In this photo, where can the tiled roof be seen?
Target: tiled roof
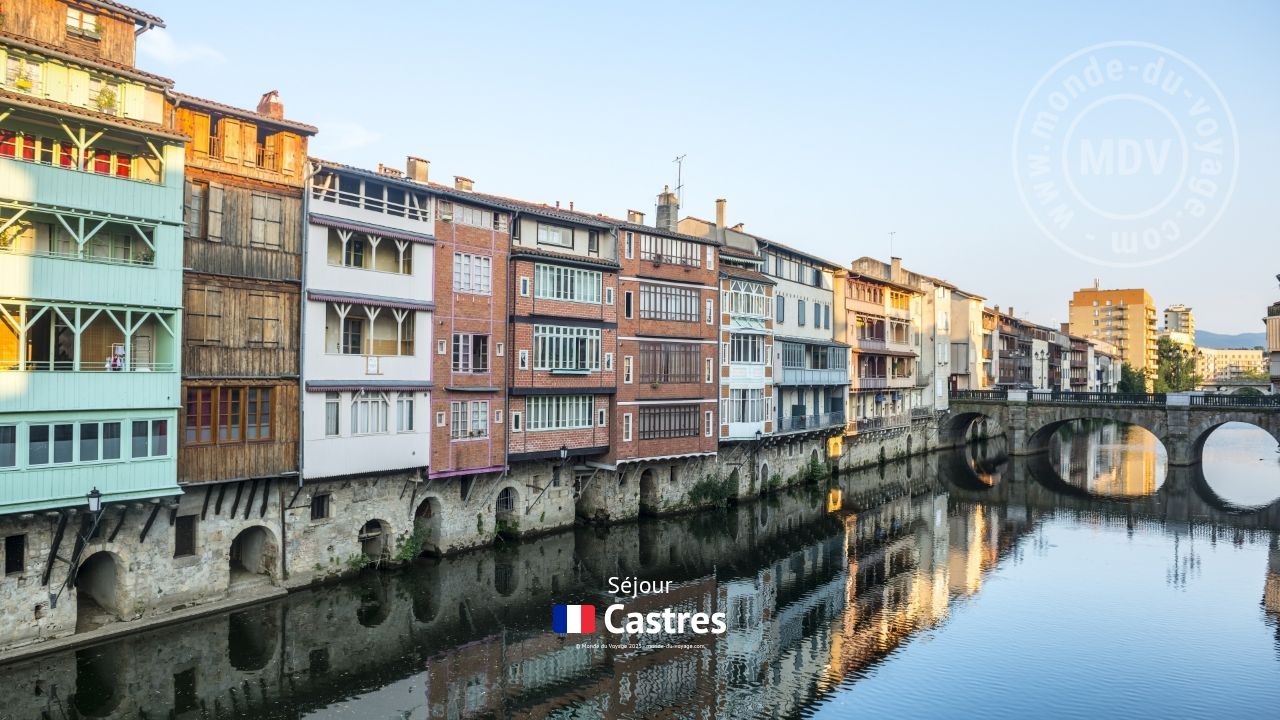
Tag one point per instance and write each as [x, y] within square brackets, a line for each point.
[45, 48]
[544, 210]
[602, 262]
[745, 274]
[369, 300]
[369, 229]
[134, 13]
[738, 252]
[232, 110]
[406, 182]
[636, 227]
[35, 103]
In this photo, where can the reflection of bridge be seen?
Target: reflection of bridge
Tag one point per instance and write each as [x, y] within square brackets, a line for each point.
[1184, 499]
[1181, 422]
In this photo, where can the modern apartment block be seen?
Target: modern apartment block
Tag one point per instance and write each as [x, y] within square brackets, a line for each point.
[1230, 364]
[1124, 318]
[91, 178]
[1272, 323]
[1180, 320]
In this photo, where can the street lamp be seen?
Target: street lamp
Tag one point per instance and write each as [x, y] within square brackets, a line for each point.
[95, 501]
[564, 453]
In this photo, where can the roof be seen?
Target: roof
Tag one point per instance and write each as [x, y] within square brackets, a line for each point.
[651, 230]
[28, 101]
[369, 229]
[45, 48]
[357, 385]
[241, 112]
[134, 14]
[518, 250]
[810, 341]
[767, 243]
[540, 209]
[369, 300]
[881, 281]
[745, 274]
[403, 182]
[738, 252]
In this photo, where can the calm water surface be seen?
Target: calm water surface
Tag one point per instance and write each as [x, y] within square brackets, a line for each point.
[1089, 582]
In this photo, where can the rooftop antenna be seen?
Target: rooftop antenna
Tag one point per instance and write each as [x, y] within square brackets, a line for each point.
[679, 161]
[891, 234]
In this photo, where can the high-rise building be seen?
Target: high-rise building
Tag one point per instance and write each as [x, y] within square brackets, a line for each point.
[1179, 319]
[1125, 318]
[1273, 342]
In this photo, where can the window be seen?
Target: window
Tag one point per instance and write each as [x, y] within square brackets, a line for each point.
[332, 406]
[15, 554]
[669, 362]
[197, 201]
[593, 242]
[747, 349]
[782, 309]
[440, 419]
[8, 446]
[708, 423]
[669, 250]
[184, 536]
[553, 282]
[470, 353]
[230, 414]
[472, 273]
[523, 360]
[264, 221]
[150, 438]
[745, 406]
[668, 421]
[38, 445]
[369, 414]
[626, 305]
[111, 441]
[559, 412]
[554, 235]
[63, 443]
[626, 427]
[629, 249]
[745, 298]
[800, 313]
[709, 370]
[469, 419]
[826, 317]
[81, 23]
[608, 296]
[320, 506]
[711, 311]
[524, 287]
[497, 416]
[204, 315]
[353, 252]
[257, 424]
[352, 335]
[473, 216]
[264, 320]
[561, 348]
[517, 422]
[663, 302]
[404, 412]
[608, 361]
[199, 430]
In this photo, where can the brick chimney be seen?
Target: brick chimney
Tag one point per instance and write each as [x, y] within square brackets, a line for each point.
[895, 269]
[668, 210]
[721, 211]
[417, 169]
[271, 106]
[635, 216]
[462, 183]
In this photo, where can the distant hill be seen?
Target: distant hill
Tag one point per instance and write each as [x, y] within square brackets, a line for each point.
[1204, 338]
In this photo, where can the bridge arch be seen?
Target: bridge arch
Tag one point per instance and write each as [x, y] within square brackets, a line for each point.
[960, 427]
[1043, 422]
[1200, 432]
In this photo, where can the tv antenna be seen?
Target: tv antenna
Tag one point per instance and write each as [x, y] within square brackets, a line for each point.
[679, 161]
[891, 234]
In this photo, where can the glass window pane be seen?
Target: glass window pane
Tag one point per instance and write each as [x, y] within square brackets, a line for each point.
[8, 445]
[62, 442]
[111, 441]
[140, 438]
[88, 442]
[38, 444]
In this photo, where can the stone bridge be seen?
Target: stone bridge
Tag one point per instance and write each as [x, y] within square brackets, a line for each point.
[1181, 422]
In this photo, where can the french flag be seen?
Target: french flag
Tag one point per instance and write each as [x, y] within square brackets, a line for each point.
[573, 618]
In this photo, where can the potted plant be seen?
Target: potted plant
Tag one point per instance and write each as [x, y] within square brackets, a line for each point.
[106, 99]
[24, 81]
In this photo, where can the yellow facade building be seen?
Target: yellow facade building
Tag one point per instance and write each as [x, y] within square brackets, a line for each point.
[1125, 318]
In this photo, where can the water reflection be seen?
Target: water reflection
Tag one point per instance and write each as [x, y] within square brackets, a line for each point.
[828, 593]
[1109, 459]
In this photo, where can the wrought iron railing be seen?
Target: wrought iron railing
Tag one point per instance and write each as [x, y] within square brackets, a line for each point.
[811, 422]
[979, 394]
[1265, 401]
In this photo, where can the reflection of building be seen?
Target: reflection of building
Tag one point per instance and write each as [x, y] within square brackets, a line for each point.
[1124, 318]
[1110, 459]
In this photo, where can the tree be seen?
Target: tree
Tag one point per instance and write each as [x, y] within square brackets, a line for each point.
[1132, 380]
[1175, 367]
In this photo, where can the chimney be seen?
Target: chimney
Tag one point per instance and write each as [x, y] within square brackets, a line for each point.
[635, 216]
[1012, 314]
[1097, 284]
[895, 269]
[462, 183]
[737, 228]
[668, 210]
[570, 206]
[416, 168]
[271, 106]
[721, 211]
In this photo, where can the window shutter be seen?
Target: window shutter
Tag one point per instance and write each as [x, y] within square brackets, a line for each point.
[249, 143]
[288, 153]
[229, 131]
[214, 230]
[198, 128]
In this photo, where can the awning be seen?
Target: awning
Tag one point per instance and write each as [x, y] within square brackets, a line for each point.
[749, 326]
[372, 385]
[369, 229]
[369, 300]
[890, 353]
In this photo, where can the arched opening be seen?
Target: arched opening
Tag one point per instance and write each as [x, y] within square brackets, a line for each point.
[251, 637]
[504, 510]
[373, 541]
[375, 605]
[967, 427]
[1241, 464]
[426, 523]
[424, 587]
[763, 478]
[734, 478]
[98, 591]
[505, 579]
[1106, 458]
[99, 681]
[253, 557]
[649, 502]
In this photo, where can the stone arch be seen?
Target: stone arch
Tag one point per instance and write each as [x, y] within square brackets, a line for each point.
[650, 500]
[506, 575]
[428, 522]
[506, 508]
[375, 540]
[1042, 424]
[254, 555]
[100, 590]
[763, 475]
[956, 428]
[374, 602]
[1199, 434]
[814, 458]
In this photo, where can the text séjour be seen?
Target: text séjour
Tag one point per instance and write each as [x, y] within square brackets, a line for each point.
[635, 587]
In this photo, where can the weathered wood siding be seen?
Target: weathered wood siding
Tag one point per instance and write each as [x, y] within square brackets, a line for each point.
[246, 459]
[224, 245]
[237, 350]
[46, 21]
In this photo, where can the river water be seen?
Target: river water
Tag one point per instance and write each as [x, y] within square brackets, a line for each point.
[1089, 582]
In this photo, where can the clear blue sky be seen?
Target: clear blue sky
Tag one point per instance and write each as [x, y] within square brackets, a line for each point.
[825, 125]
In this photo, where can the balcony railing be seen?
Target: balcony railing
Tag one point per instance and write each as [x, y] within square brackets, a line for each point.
[886, 422]
[104, 366]
[798, 423]
[815, 376]
[979, 394]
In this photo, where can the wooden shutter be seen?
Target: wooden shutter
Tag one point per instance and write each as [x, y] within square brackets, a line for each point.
[199, 131]
[288, 153]
[249, 146]
[214, 230]
[258, 220]
[229, 131]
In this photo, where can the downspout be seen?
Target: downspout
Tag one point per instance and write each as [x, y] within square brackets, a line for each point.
[305, 226]
[511, 351]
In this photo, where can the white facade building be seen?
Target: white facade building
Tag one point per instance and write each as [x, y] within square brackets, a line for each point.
[367, 323]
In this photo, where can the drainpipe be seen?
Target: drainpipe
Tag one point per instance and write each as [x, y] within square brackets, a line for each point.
[511, 352]
[302, 361]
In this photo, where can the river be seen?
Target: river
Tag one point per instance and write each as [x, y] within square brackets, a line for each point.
[1090, 582]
